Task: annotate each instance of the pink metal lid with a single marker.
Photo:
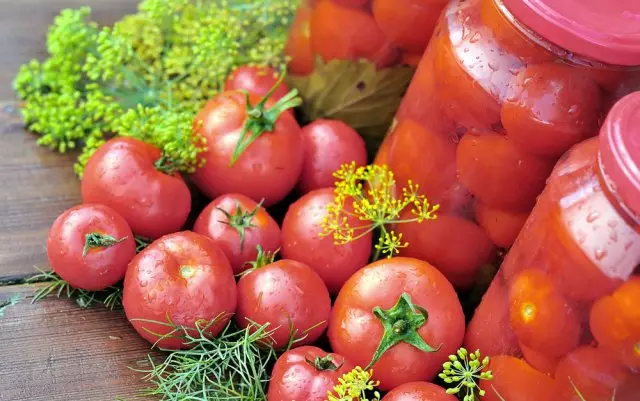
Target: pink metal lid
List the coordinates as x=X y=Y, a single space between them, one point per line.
x=605 y=30
x=619 y=144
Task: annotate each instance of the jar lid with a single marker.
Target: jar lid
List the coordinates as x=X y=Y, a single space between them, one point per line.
x=619 y=145
x=605 y=30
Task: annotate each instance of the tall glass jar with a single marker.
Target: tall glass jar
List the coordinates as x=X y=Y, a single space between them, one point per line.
x=504 y=88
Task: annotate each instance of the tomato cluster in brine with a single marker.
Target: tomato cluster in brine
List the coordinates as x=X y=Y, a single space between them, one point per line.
x=490 y=110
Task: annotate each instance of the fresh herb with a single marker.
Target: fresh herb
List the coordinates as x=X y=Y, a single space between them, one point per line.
x=141 y=243
x=465 y=370
x=367 y=193
x=355 y=385
x=99 y=240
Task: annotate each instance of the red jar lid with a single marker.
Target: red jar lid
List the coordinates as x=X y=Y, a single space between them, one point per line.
x=605 y=30
x=619 y=144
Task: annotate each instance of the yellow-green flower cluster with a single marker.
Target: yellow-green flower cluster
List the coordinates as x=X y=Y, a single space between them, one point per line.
x=465 y=370
x=354 y=385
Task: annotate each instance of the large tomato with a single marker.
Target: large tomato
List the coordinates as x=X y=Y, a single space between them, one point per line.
x=515 y=380
x=302 y=240
x=418 y=391
x=306 y=373
x=130 y=176
x=90 y=246
x=183 y=277
x=257 y=80
x=238 y=225
x=400 y=316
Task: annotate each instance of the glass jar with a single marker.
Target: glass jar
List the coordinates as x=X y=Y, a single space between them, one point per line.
x=502 y=91
x=567 y=296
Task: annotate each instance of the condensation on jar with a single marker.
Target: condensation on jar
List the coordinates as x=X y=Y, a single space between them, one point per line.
x=502 y=91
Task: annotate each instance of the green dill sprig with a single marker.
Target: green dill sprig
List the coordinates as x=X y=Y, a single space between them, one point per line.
x=465 y=370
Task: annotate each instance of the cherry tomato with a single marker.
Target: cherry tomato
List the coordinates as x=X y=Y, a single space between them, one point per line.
x=238 y=225
x=302 y=240
x=263 y=164
x=257 y=80
x=418 y=391
x=328 y=144
x=90 y=246
x=551 y=107
x=306 y=373
x=394 y=291
x=629 y=389
x=411 y=59
x=289 y=296
x=128 y=175
x=615 y=322
x=184 y=277
x=298 y=46
x=539 y=361
x=540 y=316
x=499 y=174
x=454 y=245
x=515 y=380
x=503 y=226
x=594 y=372
x=352 y=3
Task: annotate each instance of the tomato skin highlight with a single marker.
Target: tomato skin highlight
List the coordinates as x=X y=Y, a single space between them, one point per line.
x=121 y=175
x=418 y=391
x=269 y=168
x=294 y=376
x=184 y=276
x=101 y=267
x=515 y=380
x=290 y=296
x=355 y=332
x=257 y=80
x=213 y=223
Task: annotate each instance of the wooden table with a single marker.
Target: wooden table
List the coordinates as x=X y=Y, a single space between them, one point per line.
x=51 y=350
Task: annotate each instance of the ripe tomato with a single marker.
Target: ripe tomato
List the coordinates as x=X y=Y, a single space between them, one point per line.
x=412 y=59
x=90 y=246
x=302 y=240
x=263 y=163
x=128 y=175
x=289 y=296
x=615 y=322
x=257 y=80
x=418 y=391
x=238 y=225
x=539 y=361
x=352 y=3
x=503 y=226
x=306 y=373
x=515 y=380
x=298 y=46
x=184 y=277
x=399 y=299
x=551 y=107
x=540 y=316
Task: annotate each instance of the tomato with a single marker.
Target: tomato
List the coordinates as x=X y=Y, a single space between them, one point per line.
x=499 y=174
x=454 y=245
x=352 y=3
x=126 y=174
x=184 y=277
x=540 y=316
x=264 y=163
x=328 y=144
x=615 y=322
x=415 y=302
x=90 y=246
x=551 y=107
x=515 y=380
x=411 y=59
x=629 y=389
x=287 y=295
x=257 y=80
x=539 y=361
x=306 y=373
x=595 y=372
x=503 y=226
x=238 y=225
x=298 y=46
x=302 y=240
x=418 y=391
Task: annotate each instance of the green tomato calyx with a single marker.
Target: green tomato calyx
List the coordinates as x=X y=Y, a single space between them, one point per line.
x=263 y=259
x=325 y=363
x=240 y=220
x=99 y=240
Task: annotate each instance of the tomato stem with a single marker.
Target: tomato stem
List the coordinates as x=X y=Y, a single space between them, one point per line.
x=240 y=220
x=99 y=240
x=401 y=324
x=261 y=120
x=324 y=363
x=263 y=259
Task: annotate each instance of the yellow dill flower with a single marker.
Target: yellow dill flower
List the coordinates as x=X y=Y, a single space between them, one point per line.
x=354 y=385
x=465 y=369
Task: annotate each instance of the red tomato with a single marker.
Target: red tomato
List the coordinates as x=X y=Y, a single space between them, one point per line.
x=456 y=246
x=351 y=3
x=306 y=373
x=551 y=107
x=540 y=316
x=539 y=361
x=263 y=167
x=503 y=226
x=595 y=372
x=123 y=175
x=515 y=380
x=184 y=277
x=615 y=322
x=629 y=389
x=418 y=391
x=328 y=144
x=401 y=292
x=238 y=225
x=298 y=45
x=412 y=59
x=499 y=174
x=289 y=296
x=257 y=80
x=302 y=240
x=90 y=246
